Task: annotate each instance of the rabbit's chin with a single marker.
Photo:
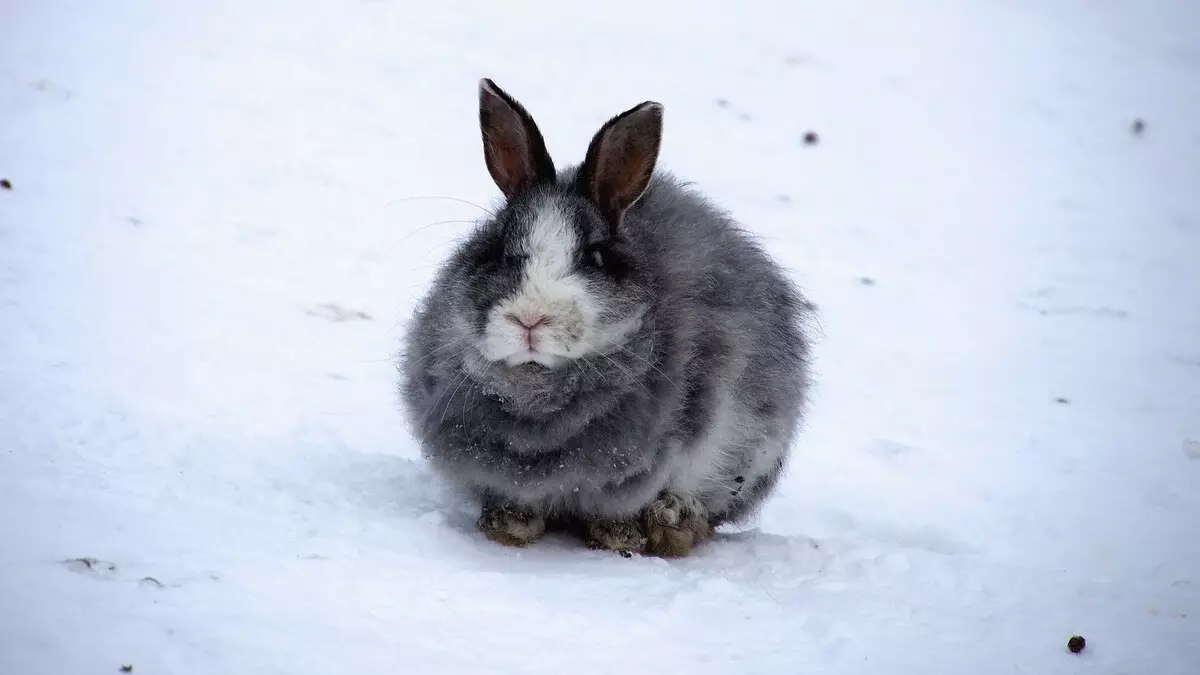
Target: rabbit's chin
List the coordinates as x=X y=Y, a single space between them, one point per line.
x=535 y=360
x=531 y=389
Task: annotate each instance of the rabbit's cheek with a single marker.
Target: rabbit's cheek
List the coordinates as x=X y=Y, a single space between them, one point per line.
x=573 y=329
x=609 y=332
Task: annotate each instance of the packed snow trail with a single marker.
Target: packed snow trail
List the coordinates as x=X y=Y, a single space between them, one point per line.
x=221 y=214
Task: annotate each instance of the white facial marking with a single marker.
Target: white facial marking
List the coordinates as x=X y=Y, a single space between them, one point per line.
x=553 y=317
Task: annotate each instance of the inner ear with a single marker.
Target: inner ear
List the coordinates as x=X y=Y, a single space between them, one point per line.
x=620 y=159
x=513 y=148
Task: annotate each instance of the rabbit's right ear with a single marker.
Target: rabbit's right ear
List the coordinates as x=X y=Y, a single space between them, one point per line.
x=620 y=159
x=512 y=145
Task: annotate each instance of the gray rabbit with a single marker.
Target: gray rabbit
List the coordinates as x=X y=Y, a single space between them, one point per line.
x=608 y=352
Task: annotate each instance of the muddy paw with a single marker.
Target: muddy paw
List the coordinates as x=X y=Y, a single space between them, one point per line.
x=675 y=524
x=510 y=524
x=616 y=535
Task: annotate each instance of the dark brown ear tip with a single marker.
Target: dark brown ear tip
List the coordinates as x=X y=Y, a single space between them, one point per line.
x=487 y=86
x=652 y=107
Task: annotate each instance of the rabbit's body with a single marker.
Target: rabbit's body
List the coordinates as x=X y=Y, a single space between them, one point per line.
x=578 y=362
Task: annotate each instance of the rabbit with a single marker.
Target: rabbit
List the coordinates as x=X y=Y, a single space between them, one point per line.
x=608 y=351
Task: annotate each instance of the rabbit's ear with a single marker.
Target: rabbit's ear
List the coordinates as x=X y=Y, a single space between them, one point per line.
x=621 y=158
x=512 y=145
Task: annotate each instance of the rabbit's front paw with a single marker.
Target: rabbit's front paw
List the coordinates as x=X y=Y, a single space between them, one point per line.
x=509 y=524
x=674 y=524
x=624 y=536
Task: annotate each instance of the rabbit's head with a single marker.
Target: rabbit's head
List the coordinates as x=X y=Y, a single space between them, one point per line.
x=550 y=278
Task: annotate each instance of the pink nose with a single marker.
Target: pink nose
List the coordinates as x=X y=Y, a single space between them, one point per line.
x=529 y=321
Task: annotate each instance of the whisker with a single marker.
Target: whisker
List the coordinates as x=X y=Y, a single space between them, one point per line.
x=449 y=199
x=382 y=360
x=466 y=402
x=575 y=362
x=435 y=352
x=437 y=401
x=422 y=228
x=627 y=373
x=647 y=362
x=596 y=370
x=450 y=399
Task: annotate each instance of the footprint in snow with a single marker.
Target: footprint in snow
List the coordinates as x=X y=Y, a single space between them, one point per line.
x=92 y=567
x=106 y=570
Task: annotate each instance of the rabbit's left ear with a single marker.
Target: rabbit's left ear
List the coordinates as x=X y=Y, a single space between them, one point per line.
x=621 y=159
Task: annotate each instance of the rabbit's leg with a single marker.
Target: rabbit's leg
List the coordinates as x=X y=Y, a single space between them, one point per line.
x=507 y=523
x=674 y=524
x=615 y=535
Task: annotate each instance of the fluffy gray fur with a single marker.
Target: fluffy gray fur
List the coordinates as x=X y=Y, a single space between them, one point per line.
x=703 y=398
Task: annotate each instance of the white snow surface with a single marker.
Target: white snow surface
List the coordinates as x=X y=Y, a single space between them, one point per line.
x=222 y=214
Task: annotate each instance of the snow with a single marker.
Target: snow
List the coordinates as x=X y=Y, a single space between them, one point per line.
x=222 y=213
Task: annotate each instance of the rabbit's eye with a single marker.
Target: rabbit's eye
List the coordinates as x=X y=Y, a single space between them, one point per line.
x=594 y=256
